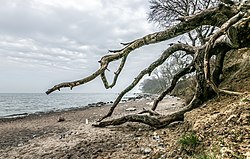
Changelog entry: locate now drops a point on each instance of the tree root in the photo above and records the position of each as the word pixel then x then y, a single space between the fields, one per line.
pixel 158 121
pixel 150 112
pixel 180 74
pixel 146 119
pixel 214 17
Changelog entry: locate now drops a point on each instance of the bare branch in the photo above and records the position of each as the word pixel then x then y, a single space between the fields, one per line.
pixel 128 43
pixel 117 73
pixel 181 73
pixel 148 70
pixel 79 82
pixel 191 23
pixel 151 112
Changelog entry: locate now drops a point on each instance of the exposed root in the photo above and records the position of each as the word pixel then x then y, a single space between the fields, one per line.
pixel 158 121
pixel 211 44
pixel 216 17
pixel 150 112
pixel 146 119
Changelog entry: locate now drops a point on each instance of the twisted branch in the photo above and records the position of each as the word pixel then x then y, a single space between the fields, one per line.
pixel 211 44
pixel 149 120
pixel 117 73
pixel 148 70
pixel 176 78
pixel 205 17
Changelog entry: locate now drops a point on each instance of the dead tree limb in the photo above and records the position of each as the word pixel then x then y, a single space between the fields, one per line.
pixel 208 47
pixel 175 79
pixel 219 17
pixel 214 16
pixel 172 49
pixel 149 120
pixel 117 73
pixel 158 121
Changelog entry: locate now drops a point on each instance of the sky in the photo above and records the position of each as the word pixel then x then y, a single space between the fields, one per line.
pixel 46 42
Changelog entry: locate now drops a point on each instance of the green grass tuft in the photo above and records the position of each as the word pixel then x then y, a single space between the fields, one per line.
pixel 189 140
pixel 189 143
pixel 205 156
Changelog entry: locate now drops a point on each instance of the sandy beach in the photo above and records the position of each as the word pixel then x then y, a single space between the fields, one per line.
pixel 42 136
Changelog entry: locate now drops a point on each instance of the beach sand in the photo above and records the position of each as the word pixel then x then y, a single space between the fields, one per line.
pixel 42 136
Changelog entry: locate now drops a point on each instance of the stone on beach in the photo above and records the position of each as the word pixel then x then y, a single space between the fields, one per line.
pixel 61 119
pixel 131 109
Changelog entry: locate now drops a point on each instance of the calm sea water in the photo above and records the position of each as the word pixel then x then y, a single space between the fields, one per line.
pixel 19 103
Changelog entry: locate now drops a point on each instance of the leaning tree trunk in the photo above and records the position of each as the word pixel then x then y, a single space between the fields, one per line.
pixel 233 22
pixel 204 90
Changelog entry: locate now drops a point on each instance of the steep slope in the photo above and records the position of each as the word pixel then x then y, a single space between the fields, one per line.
pixel 223 124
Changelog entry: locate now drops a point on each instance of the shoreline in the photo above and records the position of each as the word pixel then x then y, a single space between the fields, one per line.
pixel 23 137
pixel 125 99
pixel 59 111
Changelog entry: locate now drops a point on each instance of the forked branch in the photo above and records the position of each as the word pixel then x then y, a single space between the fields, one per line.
pixel 206 17
pixel 117 73
pixel 172 49
pixel 175 79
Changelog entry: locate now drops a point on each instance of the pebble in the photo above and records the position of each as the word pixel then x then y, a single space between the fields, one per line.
pixel 62 136
pixel 118 146
pixel 131 109
pixel 21 144
pixel 161 145
pixel 61 119
pixel 146 150
pixel 156 138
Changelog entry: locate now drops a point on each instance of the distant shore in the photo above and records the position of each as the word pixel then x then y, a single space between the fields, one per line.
pixel 100 103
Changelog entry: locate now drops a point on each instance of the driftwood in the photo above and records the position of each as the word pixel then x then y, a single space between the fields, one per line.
pixel 232 21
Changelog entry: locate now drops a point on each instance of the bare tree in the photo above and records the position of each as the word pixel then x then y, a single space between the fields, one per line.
pixel 167 12
pixel 233 22
pixel 153 85
pixel 162 76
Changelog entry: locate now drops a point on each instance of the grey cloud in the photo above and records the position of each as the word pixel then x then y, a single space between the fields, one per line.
pixel 72 35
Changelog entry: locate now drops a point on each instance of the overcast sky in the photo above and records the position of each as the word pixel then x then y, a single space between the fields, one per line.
pixel 45 42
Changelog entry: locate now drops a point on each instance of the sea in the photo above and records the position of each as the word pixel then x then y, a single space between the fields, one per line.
pixel 21 104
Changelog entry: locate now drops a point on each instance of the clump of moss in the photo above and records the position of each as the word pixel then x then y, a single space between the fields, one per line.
pixel 189 143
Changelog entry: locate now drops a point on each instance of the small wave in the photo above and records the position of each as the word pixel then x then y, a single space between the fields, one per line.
pixel 15 115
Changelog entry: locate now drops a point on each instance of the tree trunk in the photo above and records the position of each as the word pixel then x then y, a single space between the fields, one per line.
pixel 234 23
